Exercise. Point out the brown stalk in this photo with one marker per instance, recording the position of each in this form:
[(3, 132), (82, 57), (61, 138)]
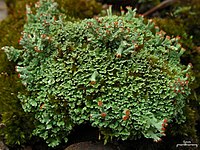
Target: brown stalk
[(160, 6)]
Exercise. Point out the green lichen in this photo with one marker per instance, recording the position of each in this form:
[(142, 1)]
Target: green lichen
[(114, 72), (176, 27), (185, 25), (19, 125)]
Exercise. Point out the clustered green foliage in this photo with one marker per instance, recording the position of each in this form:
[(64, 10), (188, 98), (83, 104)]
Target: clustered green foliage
[(175, 27), (118, 73), (183, 20), (178, 27), (188, 12), (19, 125)]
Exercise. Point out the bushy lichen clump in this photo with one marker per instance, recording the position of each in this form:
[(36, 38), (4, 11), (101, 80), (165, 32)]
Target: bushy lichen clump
[(116, 72)]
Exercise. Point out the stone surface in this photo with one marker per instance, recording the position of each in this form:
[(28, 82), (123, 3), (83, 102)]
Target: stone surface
[(90, 146), (3, 10)]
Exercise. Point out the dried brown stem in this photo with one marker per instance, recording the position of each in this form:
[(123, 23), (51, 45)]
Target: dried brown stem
[(160, 6)]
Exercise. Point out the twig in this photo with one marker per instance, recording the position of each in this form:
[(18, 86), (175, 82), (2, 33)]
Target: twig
[(159, 6)]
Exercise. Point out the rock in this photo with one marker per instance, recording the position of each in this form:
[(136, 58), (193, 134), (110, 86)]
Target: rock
[(90, 146), (3, 146)]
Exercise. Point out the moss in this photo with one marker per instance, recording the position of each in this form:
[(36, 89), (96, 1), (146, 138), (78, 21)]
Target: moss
[(80, 8), (18, 124), (189, 12)]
